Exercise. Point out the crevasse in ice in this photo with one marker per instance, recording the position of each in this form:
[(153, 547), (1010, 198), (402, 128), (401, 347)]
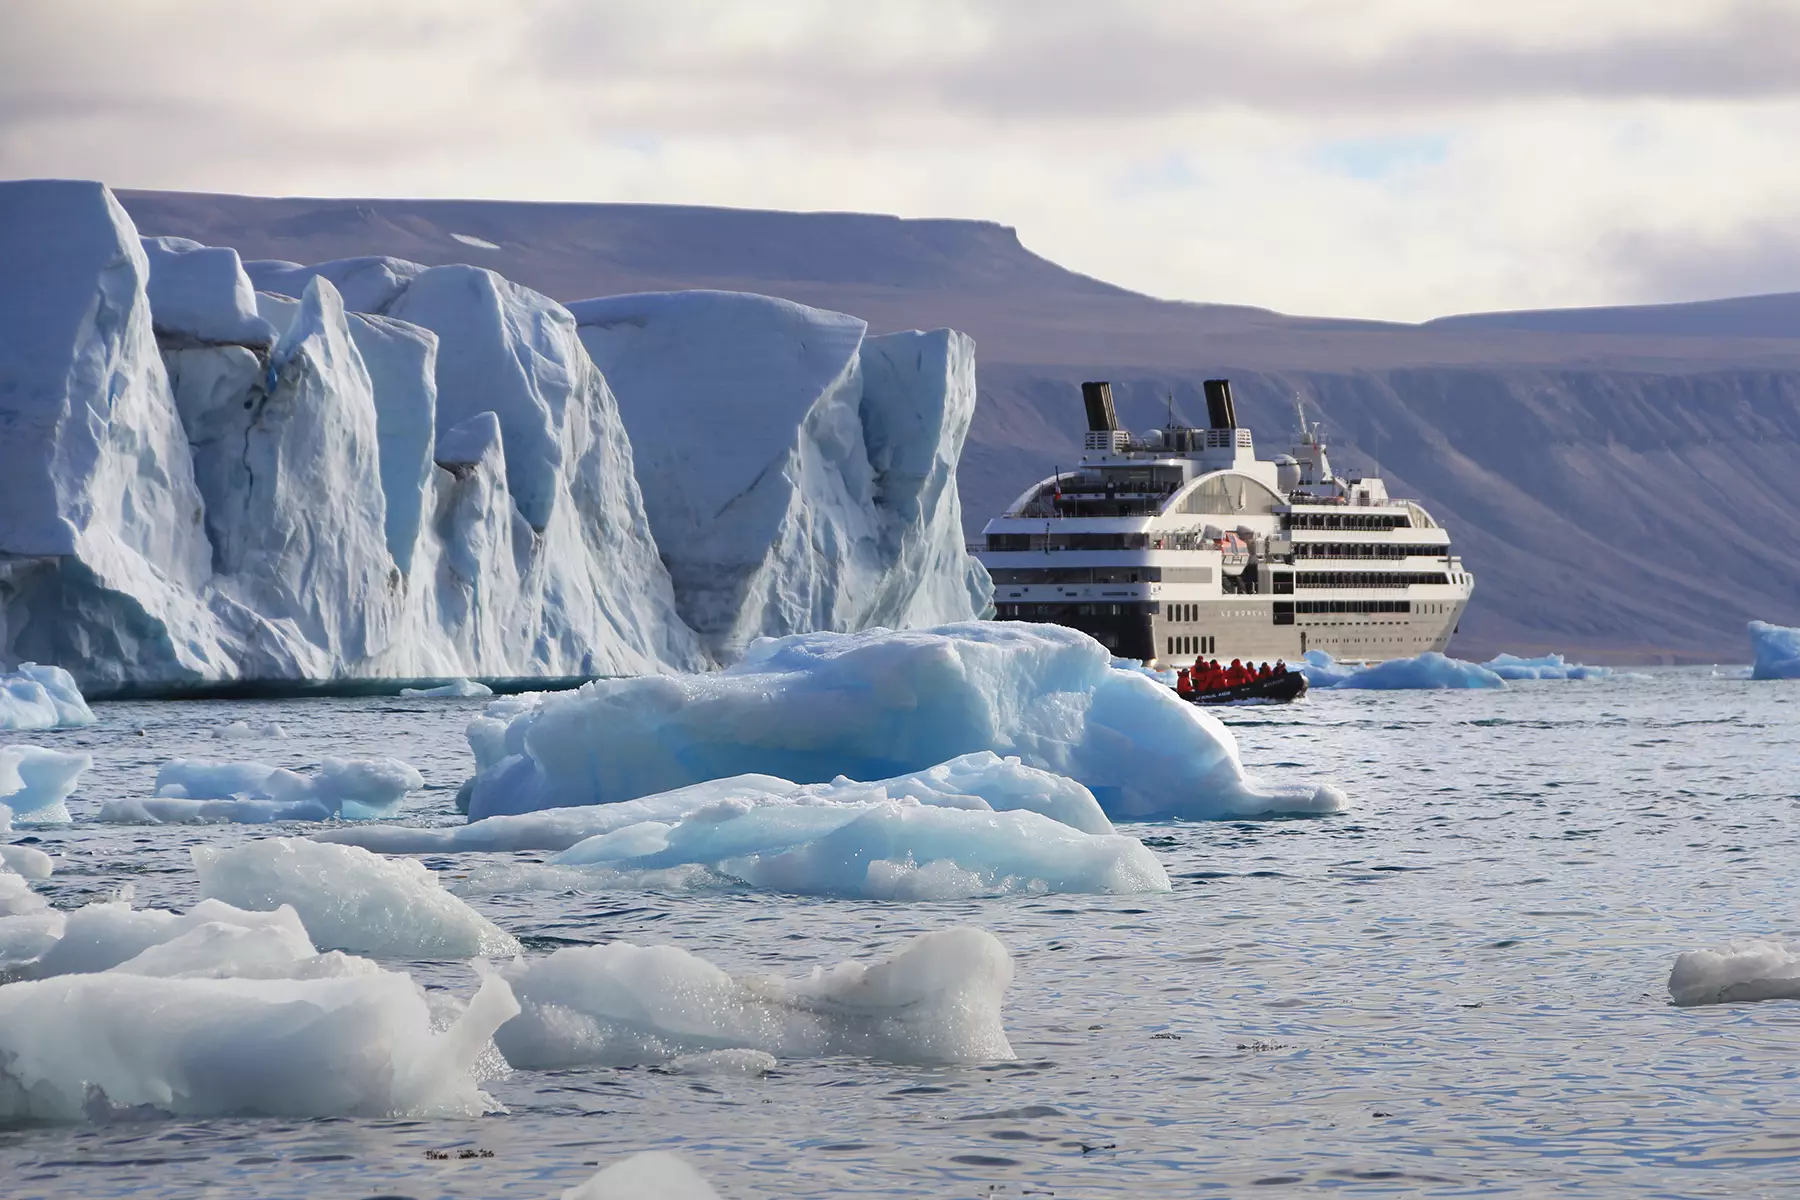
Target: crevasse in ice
[(873, 705)]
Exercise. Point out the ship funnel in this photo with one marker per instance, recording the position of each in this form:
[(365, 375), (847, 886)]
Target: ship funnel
[(1100, 413), (1220, 411)]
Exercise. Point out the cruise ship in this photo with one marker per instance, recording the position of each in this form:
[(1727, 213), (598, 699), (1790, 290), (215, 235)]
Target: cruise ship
[(1180, 542)]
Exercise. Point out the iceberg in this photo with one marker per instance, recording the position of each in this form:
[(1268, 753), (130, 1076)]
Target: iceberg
[(936, 1000), (356, 788), (1548, 666), (35, 782), (1736, 973), (874, 705), (208, 482), (650, 1175), (1428, 671), (35, 697), (357, 1044), (459, 689), (103, 935), (351, 899), (798, 475), (1777, 651)]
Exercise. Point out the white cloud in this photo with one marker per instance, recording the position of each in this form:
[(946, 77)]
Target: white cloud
[(1390, 158)]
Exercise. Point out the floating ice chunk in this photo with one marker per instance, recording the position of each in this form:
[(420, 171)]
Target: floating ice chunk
[(1777, 651), (357, 788), (176, 810), (244, 731), (360, 1044), (24, 937), (39, 697), (350, 899), (1548, 666), (100, 936), (1428, 671), (1736, 973), (225, 949), (16, 896), (876, 704), (34, 782), (651, 1175), (884, 849), (461, 688), (936, 1000), (27, 861)]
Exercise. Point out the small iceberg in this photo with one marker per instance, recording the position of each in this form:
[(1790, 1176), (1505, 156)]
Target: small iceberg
[(873, 705), (35, 697), (1430, 671), (936, 1000), (1548, 666), (1777, 651), (35, 782), (350, 899), (456, 689), (355, 788), (1736, 973), (650, 1175)]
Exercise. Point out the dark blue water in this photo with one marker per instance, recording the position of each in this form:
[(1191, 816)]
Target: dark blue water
[(1457, 989)]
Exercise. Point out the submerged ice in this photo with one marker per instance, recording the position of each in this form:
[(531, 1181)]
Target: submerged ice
[(874, 705)]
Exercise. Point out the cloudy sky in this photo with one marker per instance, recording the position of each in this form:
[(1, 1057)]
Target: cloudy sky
[(1383, 158)]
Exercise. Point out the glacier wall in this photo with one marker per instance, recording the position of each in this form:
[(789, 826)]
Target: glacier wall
[(369, 467), (798, 474), (205, 482)]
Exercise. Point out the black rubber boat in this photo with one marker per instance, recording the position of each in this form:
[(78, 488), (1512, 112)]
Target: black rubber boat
[(1277, 689)]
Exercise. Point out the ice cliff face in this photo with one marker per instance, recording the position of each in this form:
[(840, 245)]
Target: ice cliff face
[(370, 467), (798, 474), (207, 483)]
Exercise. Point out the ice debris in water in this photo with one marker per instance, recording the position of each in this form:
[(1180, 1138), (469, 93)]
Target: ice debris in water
[(28, 861), (851, 839), (35, 782), (1736, 973), (982, 780), (105, 934), (350, 899), (361, 1042), (650, 1175), (1777, 651), (870, 705), (1548, 666), (354, 788), (244, 731), (35, 697), (1428, 671), (937, 1000), (460, 688)]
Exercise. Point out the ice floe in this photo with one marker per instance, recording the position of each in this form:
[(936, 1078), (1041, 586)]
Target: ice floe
[(351, 899), (1547, 666), (243, 731), (1777, 651), (35, 782), (459, 688), (650, 1175), (937, 999), (1736, 973), (356, 788), (363, 1043), (1428, 671), (873, 705), (41, 697)]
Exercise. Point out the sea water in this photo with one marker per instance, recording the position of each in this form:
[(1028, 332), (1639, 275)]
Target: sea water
[(1457, 988)]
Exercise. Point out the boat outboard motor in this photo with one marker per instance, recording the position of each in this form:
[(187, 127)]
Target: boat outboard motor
[(1221, 411)]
